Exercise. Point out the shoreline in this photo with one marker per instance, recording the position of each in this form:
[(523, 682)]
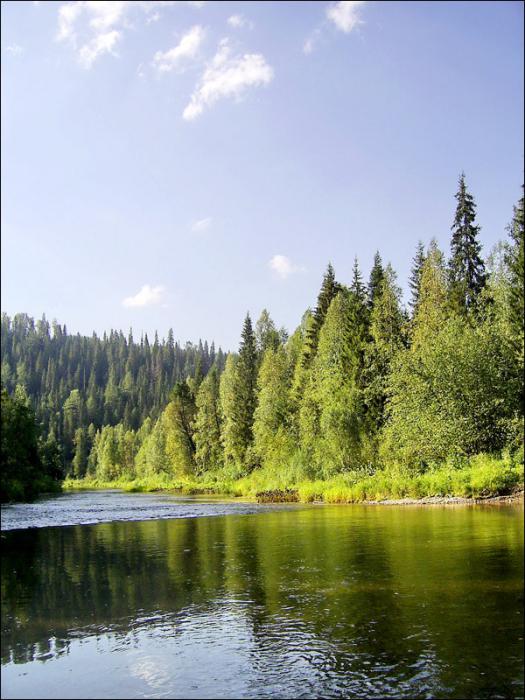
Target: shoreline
[(448, 500), (507, 499)]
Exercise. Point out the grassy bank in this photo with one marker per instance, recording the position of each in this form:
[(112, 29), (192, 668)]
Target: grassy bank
[(482, 476)]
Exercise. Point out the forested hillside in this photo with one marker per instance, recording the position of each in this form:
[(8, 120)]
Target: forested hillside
[(78, 384), (363, 385)]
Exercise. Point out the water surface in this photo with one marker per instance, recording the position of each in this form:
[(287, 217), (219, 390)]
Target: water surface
[(322, 601)]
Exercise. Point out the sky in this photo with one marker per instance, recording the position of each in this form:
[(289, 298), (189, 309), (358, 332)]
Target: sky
[(179, 164)]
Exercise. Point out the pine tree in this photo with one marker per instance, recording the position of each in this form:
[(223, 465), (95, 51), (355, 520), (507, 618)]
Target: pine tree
[(273, 440), (207, 436), (79, 464), (386, 331), (415, 275), (247, 384), (231, 436), (515, 262), (329, 289), (357, 286), (331, 410), (466, 270), (376, 277)]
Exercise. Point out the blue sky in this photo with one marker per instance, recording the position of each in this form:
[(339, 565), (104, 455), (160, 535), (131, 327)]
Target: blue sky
[(176, 164)]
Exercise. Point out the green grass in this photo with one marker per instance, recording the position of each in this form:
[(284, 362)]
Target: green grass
[(481, 476)]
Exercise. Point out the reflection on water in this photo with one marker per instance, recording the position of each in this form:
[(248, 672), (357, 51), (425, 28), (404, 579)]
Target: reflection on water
[(330, 601)]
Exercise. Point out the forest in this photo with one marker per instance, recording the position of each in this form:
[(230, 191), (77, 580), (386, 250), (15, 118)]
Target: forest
[(365, 398)]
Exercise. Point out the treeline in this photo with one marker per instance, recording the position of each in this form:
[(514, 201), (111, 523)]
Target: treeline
[(361, 384), (30, 463), (78, 384)]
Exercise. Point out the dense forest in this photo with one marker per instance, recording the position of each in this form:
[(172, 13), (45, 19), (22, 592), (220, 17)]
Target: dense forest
[(361, 385)]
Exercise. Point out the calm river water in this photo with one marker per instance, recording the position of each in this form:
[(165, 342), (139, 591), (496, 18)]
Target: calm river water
[(259, 601)]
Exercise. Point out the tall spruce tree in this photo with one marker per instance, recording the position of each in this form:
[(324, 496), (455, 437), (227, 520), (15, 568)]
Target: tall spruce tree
[(515, 262), (208, 452), (466, 270), (415, 275), (247, 382), (327, 293), (376, 276)]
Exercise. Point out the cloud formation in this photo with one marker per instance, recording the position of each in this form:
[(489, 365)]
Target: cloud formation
[(147, 296), (238, 22), (284, 267), (186, 49), (14, 49), (201, 224), (227, 76), (93, 27), (345, 15)]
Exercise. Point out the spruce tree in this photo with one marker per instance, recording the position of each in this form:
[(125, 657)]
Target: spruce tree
[(376, 277), (247, 383), (466, 270), (208, 449), (415, 275), (327, 293), (273, 439), (386, 331), (515, 263)]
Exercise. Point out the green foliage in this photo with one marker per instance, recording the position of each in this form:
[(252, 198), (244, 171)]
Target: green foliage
[(450, 395), (376, 278), (29, 466), (361, 395), (415, 275), (273, 439), (466, 268), (332, 410), (386, 340), (329, 289), (207, 436)]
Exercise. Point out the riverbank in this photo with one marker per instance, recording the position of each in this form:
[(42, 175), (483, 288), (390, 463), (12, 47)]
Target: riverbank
[(481, 479)]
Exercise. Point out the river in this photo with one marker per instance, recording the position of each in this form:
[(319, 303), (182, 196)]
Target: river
[(107, 594)]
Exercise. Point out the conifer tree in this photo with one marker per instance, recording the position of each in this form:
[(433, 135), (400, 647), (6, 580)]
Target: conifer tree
[(273, 440), (386, 339), (231, 435), (79, 464), (376, 277), (466, 270), (331, 410), (515, 262), (415, 275), (246, 384), (207, 437), (329, 289)]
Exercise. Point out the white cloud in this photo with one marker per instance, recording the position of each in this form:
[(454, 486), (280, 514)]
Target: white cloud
[(67, 17), (311, 42), (227, 76), (14, 50), (146, 297), (201, 224), (187, 48), (153, 18), (345, 15), (102, 43), (238, 22), (284, 267), (92, 27)]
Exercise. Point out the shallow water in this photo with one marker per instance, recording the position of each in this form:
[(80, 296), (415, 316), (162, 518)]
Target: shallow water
[(91, 507), (289, 602)]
